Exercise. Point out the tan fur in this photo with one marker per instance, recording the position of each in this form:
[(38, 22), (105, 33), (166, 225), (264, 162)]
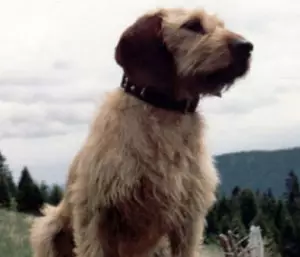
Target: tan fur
[(127, 151), (46, 230), (148, 165), (196, 53)]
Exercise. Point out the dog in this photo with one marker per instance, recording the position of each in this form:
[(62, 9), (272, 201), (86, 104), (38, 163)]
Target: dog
[(143, 178)]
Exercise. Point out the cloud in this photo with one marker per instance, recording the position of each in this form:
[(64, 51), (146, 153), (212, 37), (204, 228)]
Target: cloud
[(51, 94), (43, 120), (29, 81), (239, 104), (57, 62), (47, 158)]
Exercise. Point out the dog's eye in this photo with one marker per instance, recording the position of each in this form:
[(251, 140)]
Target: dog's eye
[(194, 25)]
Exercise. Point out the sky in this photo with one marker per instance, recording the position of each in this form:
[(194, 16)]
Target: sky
[(57, 63)]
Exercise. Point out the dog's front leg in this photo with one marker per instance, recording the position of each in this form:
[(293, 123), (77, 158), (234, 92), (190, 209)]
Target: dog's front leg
[(86, 239), (85, 222), (186, 239)]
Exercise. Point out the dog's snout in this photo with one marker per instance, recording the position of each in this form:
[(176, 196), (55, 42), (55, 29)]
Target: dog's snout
[(241, 46)]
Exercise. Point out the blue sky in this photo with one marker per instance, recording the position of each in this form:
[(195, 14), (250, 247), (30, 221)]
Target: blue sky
[(57, 63)]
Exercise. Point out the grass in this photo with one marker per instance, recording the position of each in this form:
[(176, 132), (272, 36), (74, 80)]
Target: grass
[(14, 228), (14, 234)]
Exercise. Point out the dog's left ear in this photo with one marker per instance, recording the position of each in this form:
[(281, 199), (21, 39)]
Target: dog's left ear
[(142, 53)]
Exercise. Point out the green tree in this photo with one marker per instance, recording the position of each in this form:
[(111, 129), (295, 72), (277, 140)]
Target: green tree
[(290, 234), (237, 225), (7, 186), (225, 223), (264, 222), (235, 191), (224, 207), (267, 204), (248, 207), (11, 184), (55, 195), (288, 242), (292, 193), (29, 198), (44, 189), (4, 192), (212, 227)]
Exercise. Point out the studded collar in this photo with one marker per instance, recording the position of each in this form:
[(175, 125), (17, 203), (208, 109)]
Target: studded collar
[(157, 99)]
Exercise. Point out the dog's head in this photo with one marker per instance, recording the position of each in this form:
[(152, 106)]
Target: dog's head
[(183, 52)]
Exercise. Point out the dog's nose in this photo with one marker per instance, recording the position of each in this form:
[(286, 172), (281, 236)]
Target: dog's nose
[(241, 46)]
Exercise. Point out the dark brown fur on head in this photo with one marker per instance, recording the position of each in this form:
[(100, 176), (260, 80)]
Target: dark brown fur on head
[(183, 53)]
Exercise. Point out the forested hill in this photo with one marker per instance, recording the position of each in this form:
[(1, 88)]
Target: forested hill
[(258, 169)]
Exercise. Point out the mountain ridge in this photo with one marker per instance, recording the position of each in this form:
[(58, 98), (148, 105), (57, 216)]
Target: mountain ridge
[(258, 169)]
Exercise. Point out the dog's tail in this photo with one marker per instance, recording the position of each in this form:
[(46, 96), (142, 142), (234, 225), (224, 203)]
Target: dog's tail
[(51, 234)]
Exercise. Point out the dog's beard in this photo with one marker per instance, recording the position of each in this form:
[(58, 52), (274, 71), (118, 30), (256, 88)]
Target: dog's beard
[(217, 82)]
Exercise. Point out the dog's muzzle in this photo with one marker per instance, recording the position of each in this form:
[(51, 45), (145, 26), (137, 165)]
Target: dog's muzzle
[(241, 48)]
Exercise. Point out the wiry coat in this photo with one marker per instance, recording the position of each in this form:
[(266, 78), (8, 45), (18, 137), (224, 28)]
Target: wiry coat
[(150, 164), (145, 164), (143, 181)]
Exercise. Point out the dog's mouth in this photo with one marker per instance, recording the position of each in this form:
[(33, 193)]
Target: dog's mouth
[(219, 81)]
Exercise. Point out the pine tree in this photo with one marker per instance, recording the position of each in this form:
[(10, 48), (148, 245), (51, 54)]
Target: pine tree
[(235, 191), (292, 193), (29, 198), (234, 202), (248, 207), (287, 234), (55, 195), (212, 227), (290, 233), (265, 224), (11, 184), (224, 207), (267, 204), (5, 192), (224, 223), (44, 189), (237, 225)]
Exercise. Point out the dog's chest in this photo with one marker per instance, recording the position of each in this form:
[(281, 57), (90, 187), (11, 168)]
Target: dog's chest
[(175, 168), (180, 170)]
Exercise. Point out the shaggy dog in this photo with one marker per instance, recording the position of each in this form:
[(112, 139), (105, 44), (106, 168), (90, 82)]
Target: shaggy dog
[(144, 177)]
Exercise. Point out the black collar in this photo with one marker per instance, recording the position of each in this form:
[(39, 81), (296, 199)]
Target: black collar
[(157, 99)]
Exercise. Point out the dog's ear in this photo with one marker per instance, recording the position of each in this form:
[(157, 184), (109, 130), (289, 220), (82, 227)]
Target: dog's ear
[(142, 53)]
